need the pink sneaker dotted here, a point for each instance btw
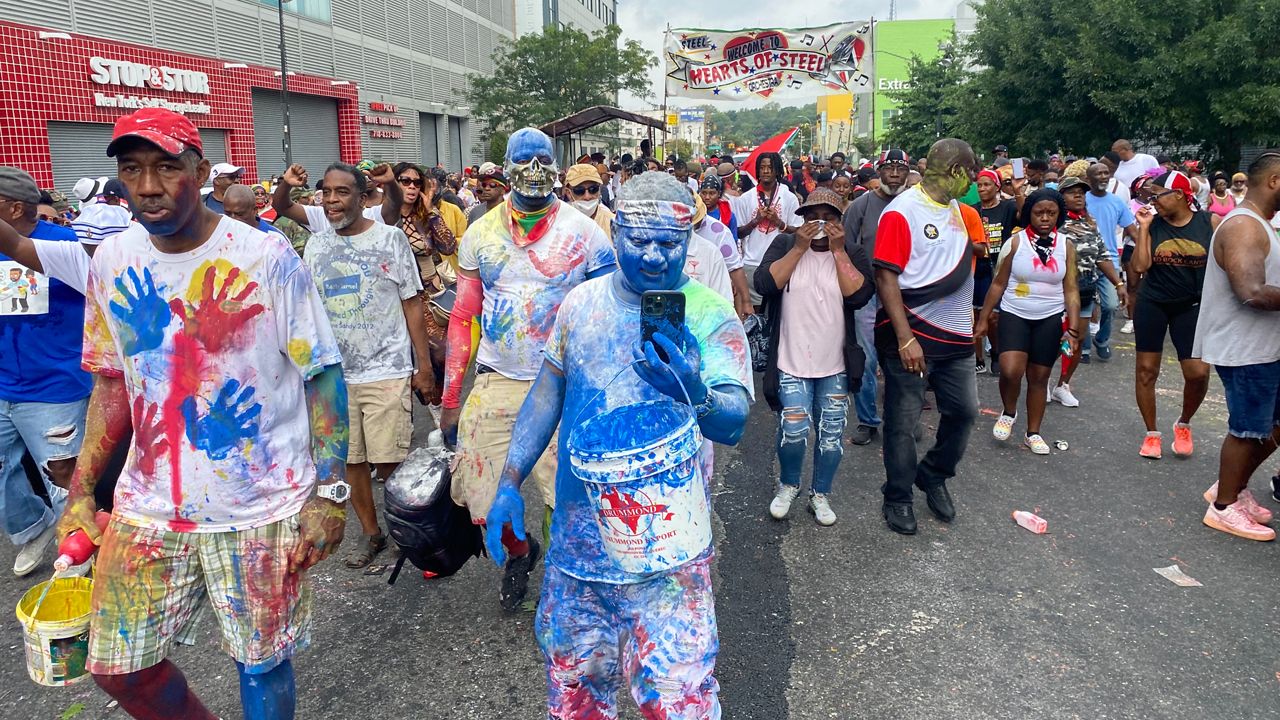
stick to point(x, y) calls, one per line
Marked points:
point(1256, 512)
point(1235, 521)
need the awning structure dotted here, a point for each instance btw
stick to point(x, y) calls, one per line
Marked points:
point(567, 127)
point(592, 116)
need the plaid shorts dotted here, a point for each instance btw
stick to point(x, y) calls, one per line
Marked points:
point(149, 583)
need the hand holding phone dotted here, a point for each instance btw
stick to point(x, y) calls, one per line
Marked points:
point(1019, 168)
point(662, 311)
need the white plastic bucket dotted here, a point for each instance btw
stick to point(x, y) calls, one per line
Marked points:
point(56, 634)
point(639, 464)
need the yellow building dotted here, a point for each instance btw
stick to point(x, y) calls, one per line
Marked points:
point(834, 129)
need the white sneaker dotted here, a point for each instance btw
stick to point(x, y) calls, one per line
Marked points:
point(1003, 427)
point(821, 510)
point(31, 554)
point(1036, 443)
point(1127, 328)
point(781, 504)
point(1062, 393)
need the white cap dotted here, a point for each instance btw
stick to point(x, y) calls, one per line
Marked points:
point(221, 169)
point(87, 189)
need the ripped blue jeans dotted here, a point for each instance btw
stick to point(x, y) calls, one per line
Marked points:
point(803, 399)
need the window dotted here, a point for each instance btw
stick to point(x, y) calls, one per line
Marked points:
point(314, 9)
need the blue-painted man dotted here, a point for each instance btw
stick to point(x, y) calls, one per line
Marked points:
point(599, 623)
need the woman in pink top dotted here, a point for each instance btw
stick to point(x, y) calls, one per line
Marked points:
point(812, 283)
point(1220, 200)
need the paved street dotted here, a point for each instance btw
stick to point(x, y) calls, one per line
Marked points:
point(979, 619)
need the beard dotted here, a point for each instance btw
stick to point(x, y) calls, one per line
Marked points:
point(893, 192)
point(345, 222)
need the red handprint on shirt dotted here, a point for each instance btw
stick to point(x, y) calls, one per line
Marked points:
point(219, 317)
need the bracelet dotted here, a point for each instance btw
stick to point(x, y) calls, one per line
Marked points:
point(907, 344)
point(1073, 332)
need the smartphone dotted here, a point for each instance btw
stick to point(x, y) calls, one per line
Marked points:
point(1019, 170)
point(662, 311)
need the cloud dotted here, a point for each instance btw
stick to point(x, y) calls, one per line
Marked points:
point(645, 22)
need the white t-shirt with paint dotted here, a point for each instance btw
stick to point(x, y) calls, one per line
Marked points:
point(747, 206)
point(65, 261)
point(704, 263)
point(362, 280)
point(214, 346)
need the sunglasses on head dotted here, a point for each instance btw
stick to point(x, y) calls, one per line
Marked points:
point(407, 181)
point(585, 189)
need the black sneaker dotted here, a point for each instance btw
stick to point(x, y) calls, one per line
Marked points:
point(515, 577)
point(980, 367)
point(862, 435)
point(1275, 488)
point(1084, 359)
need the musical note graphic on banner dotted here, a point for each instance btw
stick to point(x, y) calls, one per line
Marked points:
point(807, 40)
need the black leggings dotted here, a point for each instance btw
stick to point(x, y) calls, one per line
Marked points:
point(1152, 320)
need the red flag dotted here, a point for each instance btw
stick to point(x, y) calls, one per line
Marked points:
point(773, 144)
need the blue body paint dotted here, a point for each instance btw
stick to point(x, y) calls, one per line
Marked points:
point(268, 696)
point(530, 145)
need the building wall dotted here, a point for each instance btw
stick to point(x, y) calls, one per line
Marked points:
point(896, 41)
point(414, 54)
point(531, 16)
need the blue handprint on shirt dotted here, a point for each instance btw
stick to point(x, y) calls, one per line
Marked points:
point(221, 429)
point(144, 314)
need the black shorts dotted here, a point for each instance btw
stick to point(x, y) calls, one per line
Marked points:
point(1152, 320)
point(1041, 340)
point(1125, 255)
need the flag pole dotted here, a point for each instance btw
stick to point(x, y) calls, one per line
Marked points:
point(666, 43)
point(874, 85)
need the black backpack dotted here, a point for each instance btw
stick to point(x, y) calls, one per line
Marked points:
point(432, 532)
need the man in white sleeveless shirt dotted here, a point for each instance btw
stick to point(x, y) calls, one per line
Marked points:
point(1239, 334)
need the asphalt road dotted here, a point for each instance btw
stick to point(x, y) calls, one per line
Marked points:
point(977, 619)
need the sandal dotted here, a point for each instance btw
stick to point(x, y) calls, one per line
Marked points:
point(364, 554)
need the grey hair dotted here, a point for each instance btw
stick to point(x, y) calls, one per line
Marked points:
point(655, 186)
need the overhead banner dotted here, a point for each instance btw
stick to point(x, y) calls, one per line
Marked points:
point(757, 62)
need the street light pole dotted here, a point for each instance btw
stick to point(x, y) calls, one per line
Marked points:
point(284, 87)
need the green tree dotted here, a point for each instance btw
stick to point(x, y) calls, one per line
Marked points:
point(930, 108)
point(752, 126)
point(680, 148)
point(541, 77)
point(1076, 76)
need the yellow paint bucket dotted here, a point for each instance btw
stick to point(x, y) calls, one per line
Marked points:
point(56, 633)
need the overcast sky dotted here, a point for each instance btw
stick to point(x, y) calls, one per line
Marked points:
point(645, 21)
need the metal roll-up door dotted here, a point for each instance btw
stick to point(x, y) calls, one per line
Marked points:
point(430, 145)
point(80, 150)
point(314, 133)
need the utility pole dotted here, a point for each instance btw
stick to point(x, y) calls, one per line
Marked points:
point(284, 88)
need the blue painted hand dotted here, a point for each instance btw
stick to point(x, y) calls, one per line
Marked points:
point(144, 314)
point(507, 509)
point(666, 377)
point(221, 429)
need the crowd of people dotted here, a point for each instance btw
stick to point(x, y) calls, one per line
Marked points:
point(225, 369)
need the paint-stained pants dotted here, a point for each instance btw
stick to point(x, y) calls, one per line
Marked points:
point(49, 431)
point(659, 636)
point(804, 400)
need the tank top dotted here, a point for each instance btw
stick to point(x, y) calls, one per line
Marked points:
point(1220, 207)
point(1229, 333)
point(1034, 291)
point(1178, 256)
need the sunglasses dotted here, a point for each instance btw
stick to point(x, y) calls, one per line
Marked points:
point(585, 189)
point(1157, 196)
point(492, 185)
point(407, 181)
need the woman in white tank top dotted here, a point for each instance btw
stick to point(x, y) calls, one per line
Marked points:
point(1035, 284)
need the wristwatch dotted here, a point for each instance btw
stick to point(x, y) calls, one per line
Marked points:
point(337, 492)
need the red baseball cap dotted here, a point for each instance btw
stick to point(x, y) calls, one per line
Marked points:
point(170, 131)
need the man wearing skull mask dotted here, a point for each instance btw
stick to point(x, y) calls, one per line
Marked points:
point(515, 266)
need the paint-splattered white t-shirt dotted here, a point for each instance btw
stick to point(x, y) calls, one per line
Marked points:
point(362, 280)
point(214, 346)
point(524, 286)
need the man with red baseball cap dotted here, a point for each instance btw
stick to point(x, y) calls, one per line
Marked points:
point(206, 338)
